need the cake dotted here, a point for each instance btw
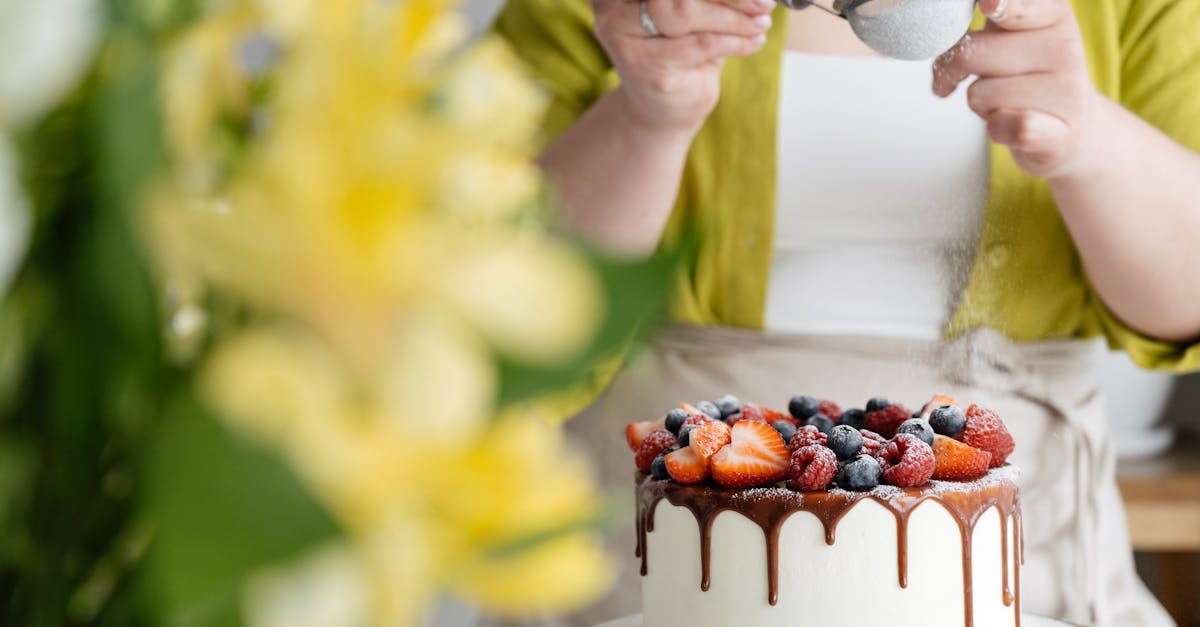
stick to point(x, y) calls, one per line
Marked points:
point(752, 517)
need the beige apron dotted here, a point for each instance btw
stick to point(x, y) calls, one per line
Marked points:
point(1079, 566)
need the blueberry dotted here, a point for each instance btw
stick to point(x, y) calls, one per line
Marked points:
point(785, 428)
point(845, 442)
point(709, 409)
point(685, 435)
point(729, 405)
point(948, 420)
point(803, 407)
point(919, 428)
point(877, 403)
point(856, 418)
point(860, 474)
point(675, 419)
point(658, 467)
point(821, 422)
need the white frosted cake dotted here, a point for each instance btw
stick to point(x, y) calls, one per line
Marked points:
point(738, 528)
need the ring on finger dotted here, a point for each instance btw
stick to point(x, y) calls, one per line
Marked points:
point(648, 22)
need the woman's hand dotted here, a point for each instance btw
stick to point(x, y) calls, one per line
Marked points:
point(1033, 89)
point(672, 82)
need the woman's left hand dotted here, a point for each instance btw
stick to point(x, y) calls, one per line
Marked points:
point(1033, 89)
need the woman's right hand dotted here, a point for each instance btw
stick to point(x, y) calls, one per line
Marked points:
point(673, 81)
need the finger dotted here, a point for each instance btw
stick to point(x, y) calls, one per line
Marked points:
point(1042, 92)
point(700, 48)
point(677, 18)
point(1024, 14)
point(999, 53)
point(750, 7)
point(1038, 140)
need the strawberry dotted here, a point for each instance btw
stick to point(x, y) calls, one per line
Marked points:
point(686, 467)
point(985, 431)
point(652, 446)
point(812, 467)
point(885, 421)
point(831, 410)
point(805, 436)
point(635, 432)
point(938, 400)
point(955, 460)
point(757, 455)
point(709, 437)
point(758, 413)
point(907, 461)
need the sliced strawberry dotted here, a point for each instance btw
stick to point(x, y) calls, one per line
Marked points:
point(635, 432)
point(955, 460)
point(653, 446)
point(758, 413)
point(686, 467)
point(709, 438)
point(986, 431)
point(756, 456)
point(938, 400)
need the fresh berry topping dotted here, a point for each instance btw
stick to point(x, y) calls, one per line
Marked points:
point(821, 422)
point(658, 468)
point(804, 406)
point(675, 419)
point(756, 456)
point(845, 442)
point(685, 467)
point(728, 405)
point(885, 421)
point(955, 460)
point(685, 434)
point(653, 446)
point(785, 428)
point(830, 409)
point(872, 442)
point(696, 420)
point(860, 474)
point(635, 432)
point(938, 400)
point(811, 468)
point(906, 461)
point(877, 404)
point(805, 436)
point(948, 420)
point(709, 409)
point(917, 427)
point(854, 417)
point(985, 431)
point(758, 413)
point(708, 438)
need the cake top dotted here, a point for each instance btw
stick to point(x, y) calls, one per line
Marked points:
point(816, 446)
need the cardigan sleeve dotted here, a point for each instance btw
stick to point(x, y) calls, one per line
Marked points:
point(555, 41)
point(1160, 82)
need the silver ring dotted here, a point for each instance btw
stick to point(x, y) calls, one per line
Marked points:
point(647, 23)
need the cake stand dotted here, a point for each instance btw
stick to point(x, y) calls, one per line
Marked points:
point(1027, 620)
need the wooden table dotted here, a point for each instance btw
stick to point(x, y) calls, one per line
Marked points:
point(1162, 500)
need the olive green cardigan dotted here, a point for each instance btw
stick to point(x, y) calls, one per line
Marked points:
point(1027, 280)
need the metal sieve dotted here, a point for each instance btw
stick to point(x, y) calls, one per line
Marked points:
point(902, 29)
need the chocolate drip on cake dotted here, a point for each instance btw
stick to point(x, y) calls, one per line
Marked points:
point(769, 508)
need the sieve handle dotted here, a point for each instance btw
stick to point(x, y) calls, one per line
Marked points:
point(796, 5)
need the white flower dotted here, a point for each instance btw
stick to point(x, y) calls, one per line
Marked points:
point(326, 588)
point(15, 223)
point(44, 47)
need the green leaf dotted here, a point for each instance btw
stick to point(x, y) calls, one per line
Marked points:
point(222, 507)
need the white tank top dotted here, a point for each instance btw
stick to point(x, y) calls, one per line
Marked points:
point(881, 193)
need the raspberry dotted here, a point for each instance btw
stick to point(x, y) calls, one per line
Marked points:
point(652, 447)
point(885, 421)
point(805, 436)
point(831, 410)
point(906, 461)
point(812, 467)
point(695, 421)
point(872, 442)
point(758, 413)
point(986, 432)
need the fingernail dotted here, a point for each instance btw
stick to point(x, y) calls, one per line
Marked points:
point(759, 40)
point(763, 21)
point(999, 12)
point(765, 4)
